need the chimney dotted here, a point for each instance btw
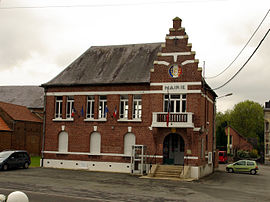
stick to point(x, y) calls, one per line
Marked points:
point(177, 23)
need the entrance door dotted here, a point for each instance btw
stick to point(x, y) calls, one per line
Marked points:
point(173, 149)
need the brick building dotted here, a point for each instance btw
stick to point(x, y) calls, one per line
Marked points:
point(113, 97)
point(20, 129)
point(267, 133)
point(236, 141)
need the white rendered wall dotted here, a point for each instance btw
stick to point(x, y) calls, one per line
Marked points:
point(88, 165)
point(201, 171)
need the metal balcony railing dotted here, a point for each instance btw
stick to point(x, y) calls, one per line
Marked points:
point(176, 119)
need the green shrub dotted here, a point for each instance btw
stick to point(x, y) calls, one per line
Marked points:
point(254, 153)
point(243, 154)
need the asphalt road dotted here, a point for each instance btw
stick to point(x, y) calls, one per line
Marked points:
point(58, 185)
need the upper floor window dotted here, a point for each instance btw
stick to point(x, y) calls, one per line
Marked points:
point(137, 107)
point(90, 107)
point(70, 107)
point(178, 103)
point(123, 107)
point(103, 110)
point(58, 107)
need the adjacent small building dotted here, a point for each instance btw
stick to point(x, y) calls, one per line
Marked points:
point(28, 96)
point(266, 133)
point(236, 141)
point(122, 108)
point(21, 117)
point(20, 129)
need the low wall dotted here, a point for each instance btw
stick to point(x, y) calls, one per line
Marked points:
point(87, 165)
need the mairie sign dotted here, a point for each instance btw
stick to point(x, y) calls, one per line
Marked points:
point(174, 87)
point(175, 71)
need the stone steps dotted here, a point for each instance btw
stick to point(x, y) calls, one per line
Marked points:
point(168, 171)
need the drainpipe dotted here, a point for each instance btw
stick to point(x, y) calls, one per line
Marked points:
point(214, 136)
point(44, 124)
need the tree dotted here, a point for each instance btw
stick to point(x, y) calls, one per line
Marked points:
point(221, 123)
point(247, 118)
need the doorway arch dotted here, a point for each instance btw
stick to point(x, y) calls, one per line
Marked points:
point(173, 149)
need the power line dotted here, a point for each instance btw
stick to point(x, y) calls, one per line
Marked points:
point(107, 5)
point(244, 63)
point(211, 77)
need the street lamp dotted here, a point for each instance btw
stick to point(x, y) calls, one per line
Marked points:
point(214, 129)
point(229, 94)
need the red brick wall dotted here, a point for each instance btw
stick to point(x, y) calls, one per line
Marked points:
point(238, 141)
point(27, 136)
point(5, 140)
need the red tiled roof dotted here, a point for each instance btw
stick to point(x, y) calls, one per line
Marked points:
point(4, 126)
point(20, 113)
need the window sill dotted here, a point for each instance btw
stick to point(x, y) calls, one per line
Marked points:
point(59, 119)
point(129, 120)
point(89, 119)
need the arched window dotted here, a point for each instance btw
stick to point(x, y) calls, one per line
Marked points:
point(95, 142)
point(63, 142)
point(129, 140)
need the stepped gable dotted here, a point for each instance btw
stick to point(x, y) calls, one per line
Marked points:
point(119, 64)
point(176, 51)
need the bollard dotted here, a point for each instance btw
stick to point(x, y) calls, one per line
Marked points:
point(2, 198)
point(17, 196)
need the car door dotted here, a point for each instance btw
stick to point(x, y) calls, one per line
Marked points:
point(12, 161)
point(240, 166)
point(20, 160)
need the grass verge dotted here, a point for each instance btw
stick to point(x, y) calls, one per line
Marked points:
point(35, 161)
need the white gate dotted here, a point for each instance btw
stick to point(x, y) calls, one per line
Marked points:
point(138, 160)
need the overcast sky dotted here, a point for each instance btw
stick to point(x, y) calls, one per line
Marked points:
point(38, 43)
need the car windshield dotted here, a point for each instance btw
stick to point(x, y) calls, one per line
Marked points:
point(5, 154)
point(221, 154)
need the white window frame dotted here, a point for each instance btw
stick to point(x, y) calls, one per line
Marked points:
point(58, 107)
point(102, 106)
point(123, 108)
point(90, 107)
point(137, 107)
point(70, 107)
point(181, 101)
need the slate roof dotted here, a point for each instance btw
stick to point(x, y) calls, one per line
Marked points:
point(118, 64)
point(29, 96)
point(19, 113)
point(4, 126)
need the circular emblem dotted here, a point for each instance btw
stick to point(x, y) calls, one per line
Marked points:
point(175, 71)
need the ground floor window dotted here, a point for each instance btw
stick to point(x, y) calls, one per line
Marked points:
point(63, 142)
point(129, 141)
point(95, 143)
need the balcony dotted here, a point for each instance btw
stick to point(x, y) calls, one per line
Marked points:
point(176, 120)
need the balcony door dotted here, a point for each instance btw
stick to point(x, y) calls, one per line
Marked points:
point(177, 103)
point(173, 149)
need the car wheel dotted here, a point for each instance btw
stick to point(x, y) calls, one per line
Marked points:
point(230, 170)
point(26, 165)
point(253, 172)
point(5, 167)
